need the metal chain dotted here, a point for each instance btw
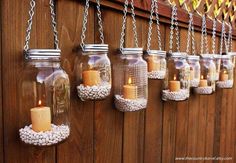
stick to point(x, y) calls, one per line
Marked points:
point(223, 39)
point(193, 40)
point(204, 36)
point(154, 5)
point(54, 24)
point(85, 21)
point(122, 35)
point(134, 24)
point(189, 31)
point(174, 22)
point(99, 14)
point(230, 46)
point(158, 25)
point(122, 38)
point(214, 36)
point(30, 21)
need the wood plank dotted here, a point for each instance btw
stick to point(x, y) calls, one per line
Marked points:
point(108, 133)
point(14, 16)
point(154, 111)
point(81, 141)
point(193, 113)
point(169, 120)
point(233, 132)
point(182, 112)
point(1, 93)
point(133, 137)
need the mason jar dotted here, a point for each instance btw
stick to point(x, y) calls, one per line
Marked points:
point(156, 60)
point(226, 79)
point(44, 98)
point(130, 80)
point(195, 70)
point(93, 72)
point(208, 71)
point(177, 79)
point(233, 58)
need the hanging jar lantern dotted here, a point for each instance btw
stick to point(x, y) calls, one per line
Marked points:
point(44, 92)
point(130, 75)
point(93, 67)
point(207, 79)
point(226, 79)
point(177, 83)
point(192, 60)
point(156, 59)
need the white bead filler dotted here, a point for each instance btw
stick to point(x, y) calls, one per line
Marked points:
point(194, 83)
point(126, 105)
point(93, 92)
point(156, 74)
point(181, 95)
point(225, 84)
point(47, 138)
point(204, 90)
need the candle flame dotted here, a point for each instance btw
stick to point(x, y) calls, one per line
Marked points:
point(129, 81)
point(201, 76)
point(174, 77)
point(225, 72)
point(40, 103)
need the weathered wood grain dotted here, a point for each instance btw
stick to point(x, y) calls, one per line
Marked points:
point(80, 146)
point(1, 94)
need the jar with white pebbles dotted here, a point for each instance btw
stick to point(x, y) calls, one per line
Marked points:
point(195, 70)
point(208, 75)
point(177, 80)
point(44, 99)
point(93, 72)
point(226, 79)
point(130, 80)
point(156, 60)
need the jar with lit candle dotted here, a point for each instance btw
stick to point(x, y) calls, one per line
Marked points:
point(194, 64)
point(43, 98)
point(233, 57)
point(217, 61)
point(156, 60)
point(208, 75)
point(93, 72)
point(130, 80)
point(177, 80)
point(226, 79)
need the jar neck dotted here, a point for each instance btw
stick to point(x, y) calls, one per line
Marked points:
point(43, 63)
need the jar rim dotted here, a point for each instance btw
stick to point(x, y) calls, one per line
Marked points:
point(178, 55)
point(43, 54)
point(95, 48)
point(196, 57)
point(217, 56)
point(156, 52)
point(207, 56)
point(132, 51)
point(231, 53)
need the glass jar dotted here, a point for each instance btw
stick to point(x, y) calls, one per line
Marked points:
point(44, 98)
point(226, 79)
point(195, 70)
point(177, 80)
point(208, 71)
point(93, 72)
point(156, 60)
point(131, 81)
point(217, 60)
point(233, 58)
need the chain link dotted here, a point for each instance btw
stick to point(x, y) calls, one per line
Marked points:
point(174, 26)
point(193, 40)
point(122, 38)
point(30, 22)
point(204, 40)
point(85, 21)
point(214, 37)
point(154, 5)
point(191, 35)
point(223, 40)
point(230, 39)
point(54, 24)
